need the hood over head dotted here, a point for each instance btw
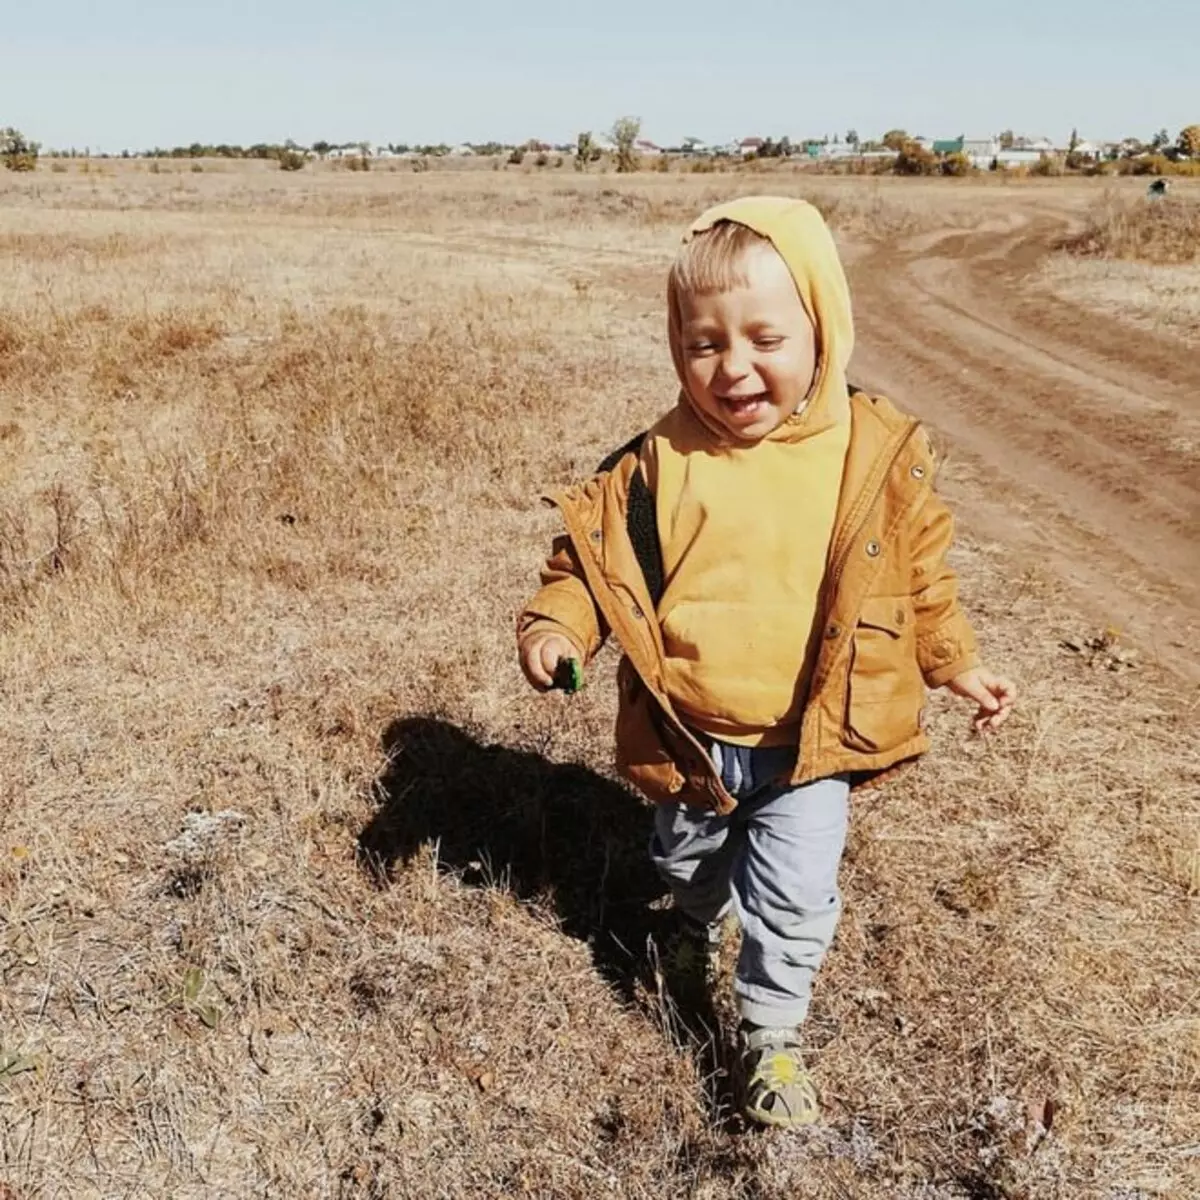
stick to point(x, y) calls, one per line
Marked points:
point(801, 238)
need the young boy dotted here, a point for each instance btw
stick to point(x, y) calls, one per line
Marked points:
point(771, 557)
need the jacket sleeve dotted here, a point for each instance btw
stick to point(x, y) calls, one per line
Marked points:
point(945, 640)
point(564, 603)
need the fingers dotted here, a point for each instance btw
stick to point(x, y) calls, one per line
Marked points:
point(533, 660)
point(540, 656)
point(553, 649)
point(996, 697)
point(990, 721)
point(975, 687)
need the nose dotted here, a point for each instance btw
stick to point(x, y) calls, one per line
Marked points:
point(735, 362)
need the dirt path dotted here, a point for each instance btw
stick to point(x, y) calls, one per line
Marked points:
point(1073, 438)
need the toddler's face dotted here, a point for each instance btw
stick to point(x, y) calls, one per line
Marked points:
point(750, 353)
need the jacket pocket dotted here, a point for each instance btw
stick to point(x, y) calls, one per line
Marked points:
point(641, 755)
point(885, 692)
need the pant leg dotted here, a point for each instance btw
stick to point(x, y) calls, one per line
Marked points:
point(694, 851)
point(786, 896)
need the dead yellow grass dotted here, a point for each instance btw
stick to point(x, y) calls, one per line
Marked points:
point(303, 894)
point(1164, 299)
point(1139, 229)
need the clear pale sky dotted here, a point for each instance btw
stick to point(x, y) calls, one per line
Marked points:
point(115, 74)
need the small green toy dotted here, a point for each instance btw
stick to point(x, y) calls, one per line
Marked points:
point(568, 675)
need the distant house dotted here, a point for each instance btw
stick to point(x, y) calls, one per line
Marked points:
point(973, 147)
point(648, 148)
point(463, 151)
point(750, 146)
point(810, 148)
point(1040, 145)
point(980, 150)
point(1020, 158)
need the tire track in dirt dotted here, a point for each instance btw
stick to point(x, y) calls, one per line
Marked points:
point(1079, 437)
point(1062, 436)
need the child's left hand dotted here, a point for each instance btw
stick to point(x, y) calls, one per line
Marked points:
point(994, 694)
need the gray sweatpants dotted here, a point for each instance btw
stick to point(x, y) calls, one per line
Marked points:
point(775, 860)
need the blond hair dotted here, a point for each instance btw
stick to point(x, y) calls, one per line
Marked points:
point(714, 260)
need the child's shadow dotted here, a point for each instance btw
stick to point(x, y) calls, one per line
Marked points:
point(544, 831)
point(556, 833)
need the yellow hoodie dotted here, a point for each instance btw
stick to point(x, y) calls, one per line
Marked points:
point(745, 529)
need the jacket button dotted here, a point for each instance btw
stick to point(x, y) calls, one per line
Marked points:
point(637, 611)
point(918, 472)
point(873, 549)
point(596, 535)
point(833, 632)
point(900, 618)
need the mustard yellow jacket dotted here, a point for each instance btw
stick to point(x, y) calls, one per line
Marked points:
point(889, 618)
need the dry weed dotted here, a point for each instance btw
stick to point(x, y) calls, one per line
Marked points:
point(1140, 230)
point(1161, 299)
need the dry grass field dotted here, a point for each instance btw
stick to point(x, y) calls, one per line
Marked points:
point(304, 894)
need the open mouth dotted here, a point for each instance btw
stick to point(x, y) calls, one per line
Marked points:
point(745, 409)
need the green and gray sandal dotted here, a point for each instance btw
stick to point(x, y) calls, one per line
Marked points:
point(778, 1088)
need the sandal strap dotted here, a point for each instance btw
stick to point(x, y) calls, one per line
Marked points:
point(779, 1089)
point(763, 1037)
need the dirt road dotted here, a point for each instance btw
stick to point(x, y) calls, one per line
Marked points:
point(1073, 438)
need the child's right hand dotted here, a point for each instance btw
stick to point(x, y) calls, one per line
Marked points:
point(540, 655)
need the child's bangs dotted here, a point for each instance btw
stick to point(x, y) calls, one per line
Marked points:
point(715, 260)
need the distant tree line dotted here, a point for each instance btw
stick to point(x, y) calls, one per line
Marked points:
point(19, 153)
